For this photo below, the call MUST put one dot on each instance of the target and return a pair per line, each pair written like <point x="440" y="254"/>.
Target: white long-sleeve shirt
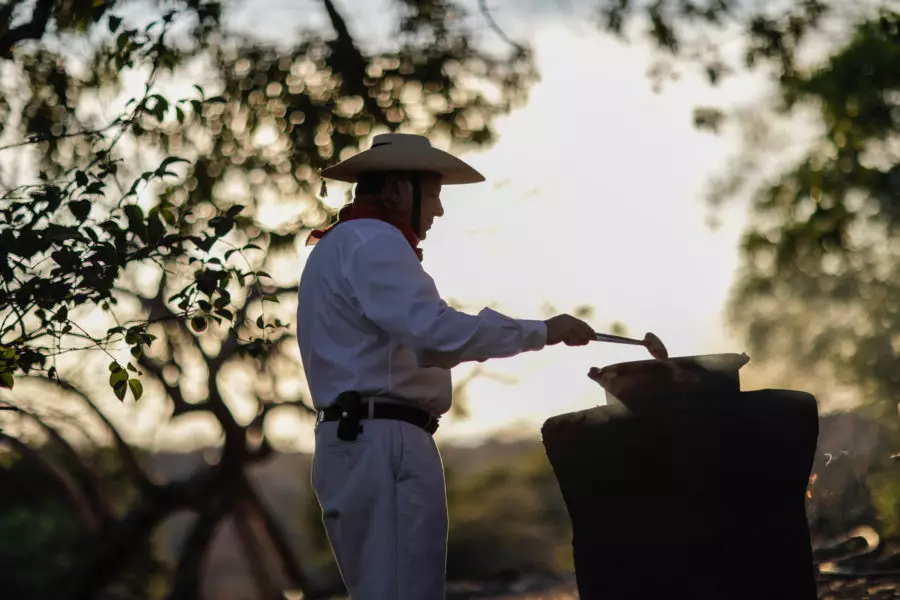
<point x="370" y="319"/>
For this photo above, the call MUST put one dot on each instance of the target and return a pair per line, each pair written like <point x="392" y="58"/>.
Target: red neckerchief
<point x="367" y="211"/>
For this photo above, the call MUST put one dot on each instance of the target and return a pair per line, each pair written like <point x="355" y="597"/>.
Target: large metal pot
<point x="637" y="381"/>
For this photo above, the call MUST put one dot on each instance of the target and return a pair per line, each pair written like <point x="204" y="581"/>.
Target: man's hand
<point x="569" y="330"/>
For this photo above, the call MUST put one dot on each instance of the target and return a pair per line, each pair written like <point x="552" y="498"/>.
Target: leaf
<point x="135" y="216"/>
<point x="222" y="301"/>
<point x="114" y="23"/>
<point x="95" y="188"/>
<point x="81" y="178"/>
<point x="114" y="366"/>
<point x="221" y="225"/>
<point x="270" y="298"/>
<point x="204" y="305"/>
<point x="81" y="209"/>
<point x="160" y="106"/>
<point x="122" y="41"/>
<point x="62" y="314"/>
<point x="263" y="274"/>
<point x="6" y="380"/>
<point x="260" y="323"/>
<point x="137" y="390"/>
<point x="167" y="215"/>
<point x="120" y="387"/>
<point x="169" y="161"/>
<point x="117" y="377"/>
<point x="225" y="313"/>
<point x="235" y="210"/>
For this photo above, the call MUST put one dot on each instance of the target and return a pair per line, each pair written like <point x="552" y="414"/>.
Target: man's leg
<point x="355" y="484"/>
<point x="421" y="518"/>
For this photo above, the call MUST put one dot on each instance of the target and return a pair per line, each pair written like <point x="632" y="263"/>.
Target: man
<point x="377" y="344"/>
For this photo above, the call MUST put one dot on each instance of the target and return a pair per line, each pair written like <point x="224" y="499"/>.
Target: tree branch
<point x="186" y="584"/>
<point x="253" y="550"/>
<point x="59" y="476"/>
<point x="33" y="30"/>
<point x="114" y="549"/>
<point x="173" y="391"/>
<point x="90" y="484"/>
<point x="290" y="561"/>
<point x="352" y="65"/>
<point x="482" y="6"/>
<point x="129" y="460"/>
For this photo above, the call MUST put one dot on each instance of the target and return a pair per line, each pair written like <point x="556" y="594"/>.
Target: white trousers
<point x="384" y="505"/>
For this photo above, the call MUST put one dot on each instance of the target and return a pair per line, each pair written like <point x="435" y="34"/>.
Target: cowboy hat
<point x="404" y="152"/>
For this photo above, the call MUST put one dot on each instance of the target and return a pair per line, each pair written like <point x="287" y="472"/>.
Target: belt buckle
<point x="320" y="417"/>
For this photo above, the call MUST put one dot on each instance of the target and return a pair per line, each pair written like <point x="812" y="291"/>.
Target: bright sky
<point x="595" y="196"/>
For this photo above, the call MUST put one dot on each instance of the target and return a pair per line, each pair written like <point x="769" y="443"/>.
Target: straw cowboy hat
<point x="404" y="152"/>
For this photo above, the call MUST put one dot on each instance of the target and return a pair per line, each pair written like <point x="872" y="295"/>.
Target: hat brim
<point x="396" y="157"/>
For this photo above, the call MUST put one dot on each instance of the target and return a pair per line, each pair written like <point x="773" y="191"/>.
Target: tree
<point x="819" y="257"/>
<point x="145" y="230"/>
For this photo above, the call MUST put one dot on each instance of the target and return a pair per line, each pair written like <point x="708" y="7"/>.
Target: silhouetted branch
<point x="32" y="30"/>
<point x="173" y="391"/>
<point x="352" y="64"/>
<point x="253" y="551"/>
<point x="115" y="548"/>
<point x="34" y="139"/>
<point x="186" y="584"/>
<point x="482" y="5"/>
<point x="129" y="460"/>
<point x="90" y="483"/>
<point x="289" y="559"/>
<point x="68" y="487"/>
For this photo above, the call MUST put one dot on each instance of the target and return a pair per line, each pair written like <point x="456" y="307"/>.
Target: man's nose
<point x="439" y="211"/>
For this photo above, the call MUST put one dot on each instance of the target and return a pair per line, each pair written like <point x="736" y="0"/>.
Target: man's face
<point x="402" y="189"/>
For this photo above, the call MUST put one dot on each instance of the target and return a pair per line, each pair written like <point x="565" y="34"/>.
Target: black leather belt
<point x="399" y="412"/>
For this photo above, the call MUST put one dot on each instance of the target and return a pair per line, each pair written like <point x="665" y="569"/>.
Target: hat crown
<point x="401" y="139"/>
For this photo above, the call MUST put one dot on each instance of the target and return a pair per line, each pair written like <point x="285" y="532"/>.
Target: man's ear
<point x="398" y="190"/>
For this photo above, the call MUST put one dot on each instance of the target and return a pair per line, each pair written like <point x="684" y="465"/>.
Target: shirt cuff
<point x="534" y="334"/>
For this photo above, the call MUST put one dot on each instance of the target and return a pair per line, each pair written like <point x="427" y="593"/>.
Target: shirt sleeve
<point x="396" y="294"/>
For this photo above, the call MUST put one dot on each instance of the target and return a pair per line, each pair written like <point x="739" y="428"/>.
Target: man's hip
<point x="352" y="408"/>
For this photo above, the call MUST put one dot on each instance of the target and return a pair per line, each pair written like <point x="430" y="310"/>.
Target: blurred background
<point x="723" y="173"/>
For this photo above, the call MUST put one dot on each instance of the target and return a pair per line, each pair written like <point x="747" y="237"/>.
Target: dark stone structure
<point x="689" y="495"/>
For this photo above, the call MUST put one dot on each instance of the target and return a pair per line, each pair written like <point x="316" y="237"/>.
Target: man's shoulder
<point x="349" y="237"/>
<point x="359" y="232"/>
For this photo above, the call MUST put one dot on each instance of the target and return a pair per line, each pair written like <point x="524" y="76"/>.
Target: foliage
<point x="507" y="520"/>
<point x="818" y="268"/>
<point x="823" y="242"/>
<point x="40" y="532"/>
<point x="161" y="230"/>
